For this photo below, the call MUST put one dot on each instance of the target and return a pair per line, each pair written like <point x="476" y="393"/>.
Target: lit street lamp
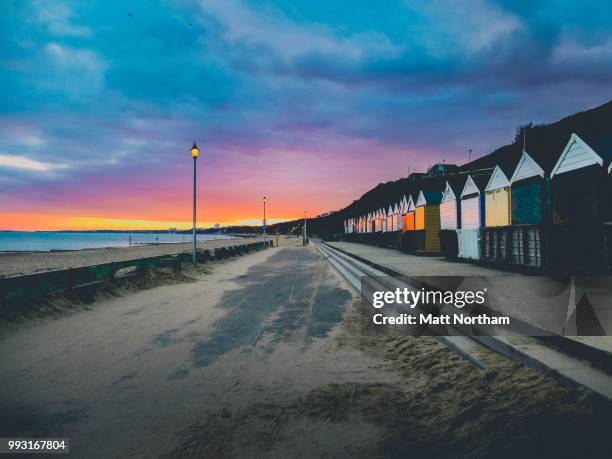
<point x="264" y="217"/>
<point x="195" y="151"/>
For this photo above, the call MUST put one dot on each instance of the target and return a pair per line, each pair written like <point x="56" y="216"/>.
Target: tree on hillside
<point x="520" y="131"/>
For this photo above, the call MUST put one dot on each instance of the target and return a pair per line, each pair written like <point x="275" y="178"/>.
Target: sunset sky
<point x="309" y="103"/>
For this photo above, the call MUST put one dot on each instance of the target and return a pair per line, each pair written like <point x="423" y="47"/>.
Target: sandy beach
<point x="20" y="263"/>
<point x="264" y="356"/>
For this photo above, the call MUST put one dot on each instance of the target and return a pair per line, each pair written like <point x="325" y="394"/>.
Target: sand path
<point x="263" y="356"/>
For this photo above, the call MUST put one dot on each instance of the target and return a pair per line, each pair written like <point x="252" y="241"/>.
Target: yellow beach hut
<point x="427" y="222"/>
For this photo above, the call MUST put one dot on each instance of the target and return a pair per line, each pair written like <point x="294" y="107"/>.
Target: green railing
<point x="31" y="288"/>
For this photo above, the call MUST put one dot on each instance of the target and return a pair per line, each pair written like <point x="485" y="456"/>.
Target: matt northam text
<point x="444" y="319"/>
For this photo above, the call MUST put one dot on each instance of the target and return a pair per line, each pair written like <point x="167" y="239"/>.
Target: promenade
<point x="540" y="303"/>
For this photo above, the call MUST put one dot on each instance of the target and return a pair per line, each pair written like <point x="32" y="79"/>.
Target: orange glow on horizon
<point x="38" y="222"/>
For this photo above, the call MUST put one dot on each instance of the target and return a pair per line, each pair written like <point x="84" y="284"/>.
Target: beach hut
<point x="407" y="235"/>
<point x="528" y="192"/>
<point x="397" y="225"/>
<point x="396" y="217"/>
<point x="388" y="238"/>
<point x="403" y="211"/>
<point x="472" y="211"/>
<point x="581" y="196"/>
<point x="427" y="222"/>
<point x="382" y="223"/>
<point x="390" y="218"/>
<point x="410" y="214"/>
<point x="383" y="220"/>
<point x="498" y="215"/>
<point x="371" y="227"/>
<point x="497" y="199"/>
<point x="450" y="216"/>
<point x="529" y="203"/>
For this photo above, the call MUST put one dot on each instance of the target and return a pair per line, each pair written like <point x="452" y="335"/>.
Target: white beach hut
<point x="472" y="216"/>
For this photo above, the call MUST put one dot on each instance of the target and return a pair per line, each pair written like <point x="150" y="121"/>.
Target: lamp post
<point x="304" y="235"/>
<point x="195" y="151"/>
<point x="264" y="217"/>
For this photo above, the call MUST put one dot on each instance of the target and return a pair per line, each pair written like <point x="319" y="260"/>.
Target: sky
<point x="308" y="103"/>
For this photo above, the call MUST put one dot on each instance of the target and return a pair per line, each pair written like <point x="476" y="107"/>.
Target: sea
<point x="44" y="241"/>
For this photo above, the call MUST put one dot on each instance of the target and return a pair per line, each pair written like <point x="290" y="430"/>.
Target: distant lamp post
<point x="195" y="152"/>
<point x="264" y="199"/>
<point x="304" y="235"/>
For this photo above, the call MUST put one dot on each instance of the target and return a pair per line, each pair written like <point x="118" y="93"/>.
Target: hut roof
<point x="527" y="168"/>
<point x="482" y="178"/>
<point x="498" y="179"/>
<point x="457" y="182"/>
<point x="579" y="153"/>
<point x="429" y="197"/>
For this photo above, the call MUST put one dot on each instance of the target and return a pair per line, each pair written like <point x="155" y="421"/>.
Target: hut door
<point x="410" y="217"/>
<point x="419" y="222"/>
<point x="448" y="215"/>
<point x="527" y="203"/>
<point x="470" y="213"/>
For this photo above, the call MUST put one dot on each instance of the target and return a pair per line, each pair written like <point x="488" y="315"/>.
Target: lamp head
<point x="195" y="151"/>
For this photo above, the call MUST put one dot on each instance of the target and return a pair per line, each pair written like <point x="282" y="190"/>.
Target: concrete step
<point x="570" y="360"/>
<point x="533" y="353"/>
<point x="574" y="346"/>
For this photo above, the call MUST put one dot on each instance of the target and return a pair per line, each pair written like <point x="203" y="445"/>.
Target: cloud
<point x="56" y="16"/>
<point x="83" y="65"/>
<point x="21" y="162"/>
<point x="268" y="27"/>
<point x="278" y="93"/>
<point x="446" y="28"/>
